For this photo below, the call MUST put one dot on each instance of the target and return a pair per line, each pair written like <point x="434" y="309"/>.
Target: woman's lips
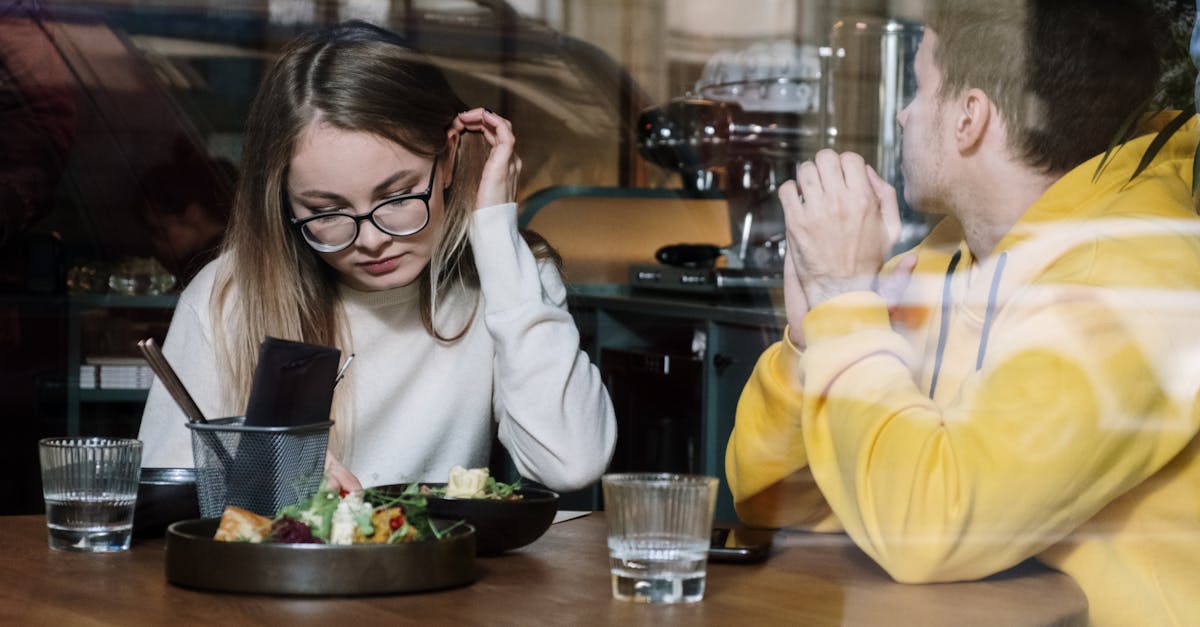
<point x="383" y="266"/>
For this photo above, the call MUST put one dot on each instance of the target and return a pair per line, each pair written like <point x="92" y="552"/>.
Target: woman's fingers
<point x="502" y="169"/>
<point x="338" y="477"/>
<point x="496" y="129"/>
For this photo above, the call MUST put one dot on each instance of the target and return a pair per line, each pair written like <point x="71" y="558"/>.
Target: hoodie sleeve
<point x="555" y="417"/>
<point x="765" y="462"/>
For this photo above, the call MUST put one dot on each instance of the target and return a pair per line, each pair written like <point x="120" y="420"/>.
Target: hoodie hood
<point x="1162" y="189"/>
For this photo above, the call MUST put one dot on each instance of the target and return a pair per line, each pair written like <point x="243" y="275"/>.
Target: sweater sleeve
<point x="554" y="416"/>
<point x="1073" y="406"/>
<point x="765" y="462"/>
<point x="189" y="349"/>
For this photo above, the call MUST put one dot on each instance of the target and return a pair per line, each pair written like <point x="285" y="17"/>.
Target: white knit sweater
<point x="421" y="406"/>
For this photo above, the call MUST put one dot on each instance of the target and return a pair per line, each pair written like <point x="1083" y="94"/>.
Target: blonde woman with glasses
<point x="375" y="213"/>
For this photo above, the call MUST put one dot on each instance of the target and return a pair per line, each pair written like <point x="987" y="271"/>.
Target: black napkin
<point x="293" y="384"/>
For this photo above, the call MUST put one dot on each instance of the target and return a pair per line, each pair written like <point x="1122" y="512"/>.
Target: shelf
<point x="113" y="396"/>
<point x="76" y="304"/>
<point x="160" y="301"/>
<point x="34" y="300"/>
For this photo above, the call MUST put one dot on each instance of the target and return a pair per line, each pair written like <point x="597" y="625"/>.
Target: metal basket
<point x="261" y="469"/>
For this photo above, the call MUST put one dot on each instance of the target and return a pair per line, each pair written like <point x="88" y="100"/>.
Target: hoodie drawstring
<point x="945" y="321"/>
<point x="988" y="316"/>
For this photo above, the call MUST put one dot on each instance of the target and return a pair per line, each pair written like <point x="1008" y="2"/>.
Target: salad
<point x="361" y="517"/>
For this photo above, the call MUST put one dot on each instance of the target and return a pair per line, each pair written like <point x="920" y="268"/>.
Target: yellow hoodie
<point x="1038" y="403"/>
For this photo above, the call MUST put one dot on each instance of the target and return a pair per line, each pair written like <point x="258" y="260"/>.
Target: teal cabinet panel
<point x="726" y="336"/>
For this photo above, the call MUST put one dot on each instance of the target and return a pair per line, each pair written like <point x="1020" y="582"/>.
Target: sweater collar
<point x="382" y="298"/>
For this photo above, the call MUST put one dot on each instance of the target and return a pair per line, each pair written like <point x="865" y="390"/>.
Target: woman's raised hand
<point x="498" y="184"/>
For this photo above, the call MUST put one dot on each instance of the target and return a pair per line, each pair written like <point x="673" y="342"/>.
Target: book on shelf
<point x="115" y="373"/>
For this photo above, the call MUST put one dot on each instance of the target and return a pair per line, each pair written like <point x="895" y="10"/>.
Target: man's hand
<point x="842" y="227"/>
<point x="793" y="298"/>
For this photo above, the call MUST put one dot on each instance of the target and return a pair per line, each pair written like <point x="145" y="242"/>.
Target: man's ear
<point x="973" y="121"/>
<point x="448" y="166"/>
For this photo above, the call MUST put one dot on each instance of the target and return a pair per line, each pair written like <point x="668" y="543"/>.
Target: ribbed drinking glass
<point x="90" y="486"/>
<point x="659" y="527"/>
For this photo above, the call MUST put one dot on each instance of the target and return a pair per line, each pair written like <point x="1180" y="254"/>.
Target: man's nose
<point x="902" y="117"/>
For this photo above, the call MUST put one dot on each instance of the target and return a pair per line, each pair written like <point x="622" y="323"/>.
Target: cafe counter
<point x="562" y="579"/>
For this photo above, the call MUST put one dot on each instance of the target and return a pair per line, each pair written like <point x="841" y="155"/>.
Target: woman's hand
<point x="498" y="184"/>
<point x="338" y="477"/>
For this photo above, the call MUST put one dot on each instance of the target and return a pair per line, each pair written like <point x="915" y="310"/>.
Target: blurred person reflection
<point x="38" y="126"/>
<point x="187" y="203"/>
<point x="1024" y="383"/>
<point x="37" y="120"/>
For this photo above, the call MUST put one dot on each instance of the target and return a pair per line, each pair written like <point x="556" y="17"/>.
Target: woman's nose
<point x="370" y="236"/>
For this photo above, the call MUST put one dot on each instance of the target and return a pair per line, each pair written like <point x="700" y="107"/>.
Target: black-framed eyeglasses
<point x="406" y="214"/>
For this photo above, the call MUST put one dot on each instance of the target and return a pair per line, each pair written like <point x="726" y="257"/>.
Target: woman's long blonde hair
<point x="356" y="77"/>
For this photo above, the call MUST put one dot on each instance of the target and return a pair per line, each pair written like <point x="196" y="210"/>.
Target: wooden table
<point x="562" y="579"/>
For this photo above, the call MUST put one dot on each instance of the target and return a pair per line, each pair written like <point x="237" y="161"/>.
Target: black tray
<point x="195" y="560"/>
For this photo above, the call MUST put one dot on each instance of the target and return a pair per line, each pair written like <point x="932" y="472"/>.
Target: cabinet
<point x="675" y="367"/>
<point x="124" y="319"/>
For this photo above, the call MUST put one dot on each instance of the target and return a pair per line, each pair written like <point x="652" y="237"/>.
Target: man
<point x="1030" y="392"/>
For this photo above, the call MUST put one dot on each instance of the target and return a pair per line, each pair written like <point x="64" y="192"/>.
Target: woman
<point x="373" y="216"/>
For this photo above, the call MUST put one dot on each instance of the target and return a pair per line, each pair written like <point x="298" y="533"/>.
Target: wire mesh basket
<point x="261" y="469"/>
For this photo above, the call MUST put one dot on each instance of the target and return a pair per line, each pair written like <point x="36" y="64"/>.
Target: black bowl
<point x="500" y="525"/>
<point x="165" y="495"/>
<point x="195" y="560"/>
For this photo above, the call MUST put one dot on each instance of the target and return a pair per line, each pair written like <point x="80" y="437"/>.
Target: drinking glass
<point x="659" y="527"/>
<point x="90" y="485"/>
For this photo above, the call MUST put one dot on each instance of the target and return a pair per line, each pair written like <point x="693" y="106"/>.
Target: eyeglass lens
<point x="399" y="217"/>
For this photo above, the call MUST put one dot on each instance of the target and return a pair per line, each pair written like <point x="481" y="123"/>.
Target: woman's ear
<point x="449" y="165"/>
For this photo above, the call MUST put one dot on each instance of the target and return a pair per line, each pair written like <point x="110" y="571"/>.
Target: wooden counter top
<point x="562" y="579"/>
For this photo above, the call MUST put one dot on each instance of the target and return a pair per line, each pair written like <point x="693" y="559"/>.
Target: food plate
<point x="500" y="525"/>
<point x="195" y="560"/>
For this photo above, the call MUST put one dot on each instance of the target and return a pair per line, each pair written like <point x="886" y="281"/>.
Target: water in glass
<point x="657" y="569"/>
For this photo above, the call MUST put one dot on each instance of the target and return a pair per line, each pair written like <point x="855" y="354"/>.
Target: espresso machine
<point x="751" y="119"/>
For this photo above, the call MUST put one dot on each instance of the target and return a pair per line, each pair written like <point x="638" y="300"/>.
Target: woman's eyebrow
<point x="318" y="194"/>
<point x="382" y="188"/>
<point x="387" y="183"/>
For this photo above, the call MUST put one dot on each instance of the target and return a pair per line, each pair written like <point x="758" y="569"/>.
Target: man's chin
<point x="924" y="204"/>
